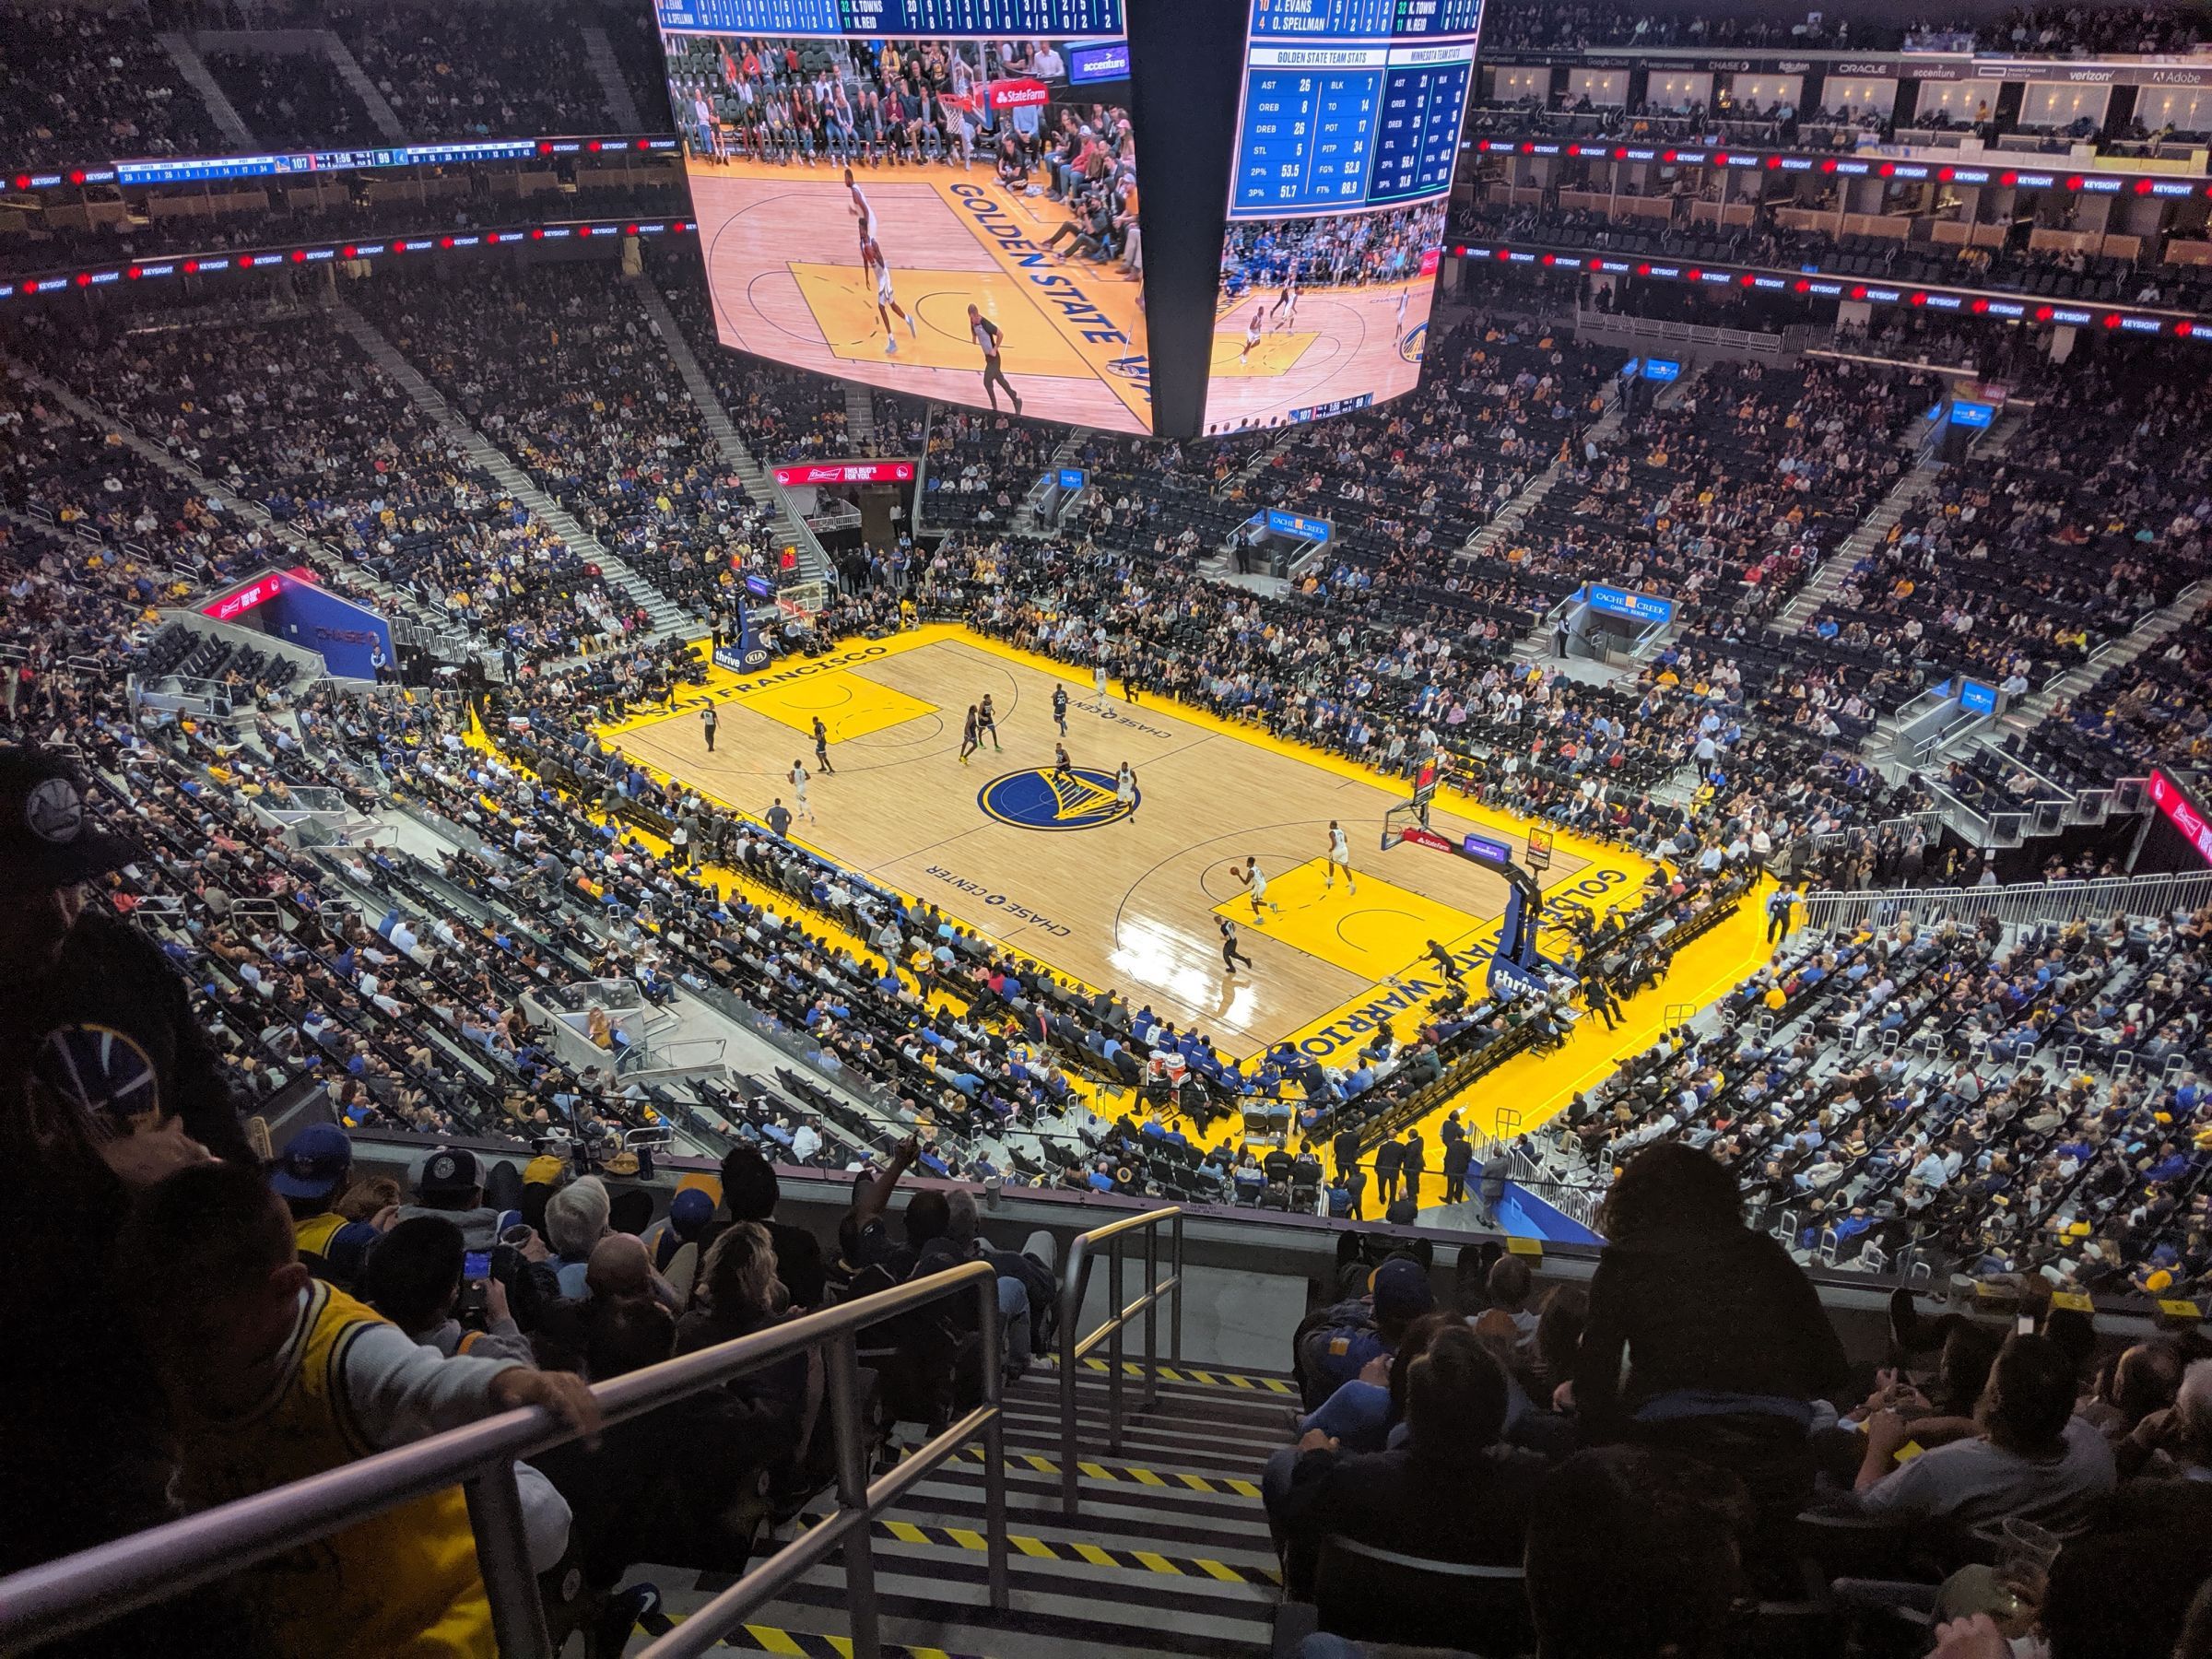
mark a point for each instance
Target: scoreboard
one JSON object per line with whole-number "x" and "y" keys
{"x": 1053, "y": 20}
{"x": 1351, "y": 103}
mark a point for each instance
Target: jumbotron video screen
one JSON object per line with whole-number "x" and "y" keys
{"x": 1347, "y": 137}
{"x": 942, "y": 198}
{"x": 951, "y": 216}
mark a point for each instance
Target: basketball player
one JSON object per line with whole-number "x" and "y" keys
{"x": 887, "y": 303}
{"x": 1060, "y": 708}
{"x": 1340, "y": 854}
{"x": 987, "y": 337}
{"x": 986, "y": 723}
{"x": 859, "y": 204}
{"x": 1099, "y": 680}
{"x": 821, "y": 746}
{"x": 1286, "y": 303}
{"x": 1397, "y": 335}
{"x": 1060, "y": 763}
{"x": 798, "y": 789}
{"x": 1125, "y": 791}
{"x": 967, "y": 735}
{"x": 1231, "y": 955}
{"x": 1256, "y": 886}
{"x": 1251, "y": 333}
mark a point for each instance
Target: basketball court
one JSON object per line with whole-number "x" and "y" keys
{"x": 1056, "y": 868}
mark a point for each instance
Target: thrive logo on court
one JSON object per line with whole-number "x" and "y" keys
{"x": 1041, "y": 798}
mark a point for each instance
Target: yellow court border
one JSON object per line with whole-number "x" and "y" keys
{"x": 1626, "y": 870}
{"x": 1519, "y": 1097}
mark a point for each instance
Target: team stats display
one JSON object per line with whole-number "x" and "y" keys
{"x": 1351, "y": 103}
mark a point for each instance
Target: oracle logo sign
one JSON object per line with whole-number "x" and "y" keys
{"x": 847, "y": 472}
{"x": 2167, "y": 796}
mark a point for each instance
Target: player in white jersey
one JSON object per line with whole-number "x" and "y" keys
{"x": 1340, "y": 854}
{"x": 1098, "y": 680}
{"x": 1251, "y": 333}
{"x": 1125, "y": 791}
{"x": 1255, "y": 886}
{"x": 887, "y": 303}
{"x": 1397, "y": 335}
{"x": 1286, "y": 303}
{"x": 859, "y": 207}
{"x": 798, "y": 788}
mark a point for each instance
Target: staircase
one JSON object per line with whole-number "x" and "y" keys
{"x": 192, "y": 68}
{"x": 860, "y": 419}
{"x": 1535, "y": 491}
{"x": 1862, "y": 541}
{"x": 786, "y": 526}
{"x": 622, "y": 108}
{"x": 2027, "y": 713}
{"x": 350, "y": 71}
{"x": 1170, "y": 1555}
{"x": 663, "y": 617}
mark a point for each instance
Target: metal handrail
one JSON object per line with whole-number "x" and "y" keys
{"x": 1074, "y": 1349}
{"x": 82, "y": 1591}
{"x": 2013, "y": 903}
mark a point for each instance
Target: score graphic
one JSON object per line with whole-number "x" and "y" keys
{"x": 1348, "y": 126}
{"x": 1344, "y": 109}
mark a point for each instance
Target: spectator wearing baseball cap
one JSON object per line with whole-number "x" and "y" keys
{"x": 106, "y": 1086}
{"x": 1334, "y": 1347}
{"x": 91, "y": 1001}
{"x": 310, "y": 1174}
{"x": 451, "y": 1184}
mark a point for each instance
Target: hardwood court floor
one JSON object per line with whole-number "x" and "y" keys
{"x": 1129, "y": 902}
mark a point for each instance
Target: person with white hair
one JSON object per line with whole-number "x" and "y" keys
{"x": 576, "y": 1219}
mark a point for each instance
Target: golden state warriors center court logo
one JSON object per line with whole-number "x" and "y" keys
{"x": 1045, "y": 798}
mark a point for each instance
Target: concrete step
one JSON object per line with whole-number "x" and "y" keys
{"x": 194, "y": 69}
{"x": 350, "y": 71}
{"x": 621, "y": 108}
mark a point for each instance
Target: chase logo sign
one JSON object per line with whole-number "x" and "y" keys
{"x": 1039, "y": 798}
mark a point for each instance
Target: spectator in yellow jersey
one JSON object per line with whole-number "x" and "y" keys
{"x": 273, "y": 1376}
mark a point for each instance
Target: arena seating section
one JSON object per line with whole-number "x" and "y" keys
{"x": 1907, "y": 1097}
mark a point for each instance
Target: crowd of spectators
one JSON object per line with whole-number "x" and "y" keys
{"x": 293, "y": 99}
{"x": 1749, "y": 1485}
{"x": 475, "y": 71}
{"x": 87, "y": 83}
{"x": 562, "y": 368}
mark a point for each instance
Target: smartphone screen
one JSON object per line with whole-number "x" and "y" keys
{"x": 476, "y": 1267}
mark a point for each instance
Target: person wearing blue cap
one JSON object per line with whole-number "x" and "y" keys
{"x": 309, "y": 1175}
{"x": 689, "y": 1213}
